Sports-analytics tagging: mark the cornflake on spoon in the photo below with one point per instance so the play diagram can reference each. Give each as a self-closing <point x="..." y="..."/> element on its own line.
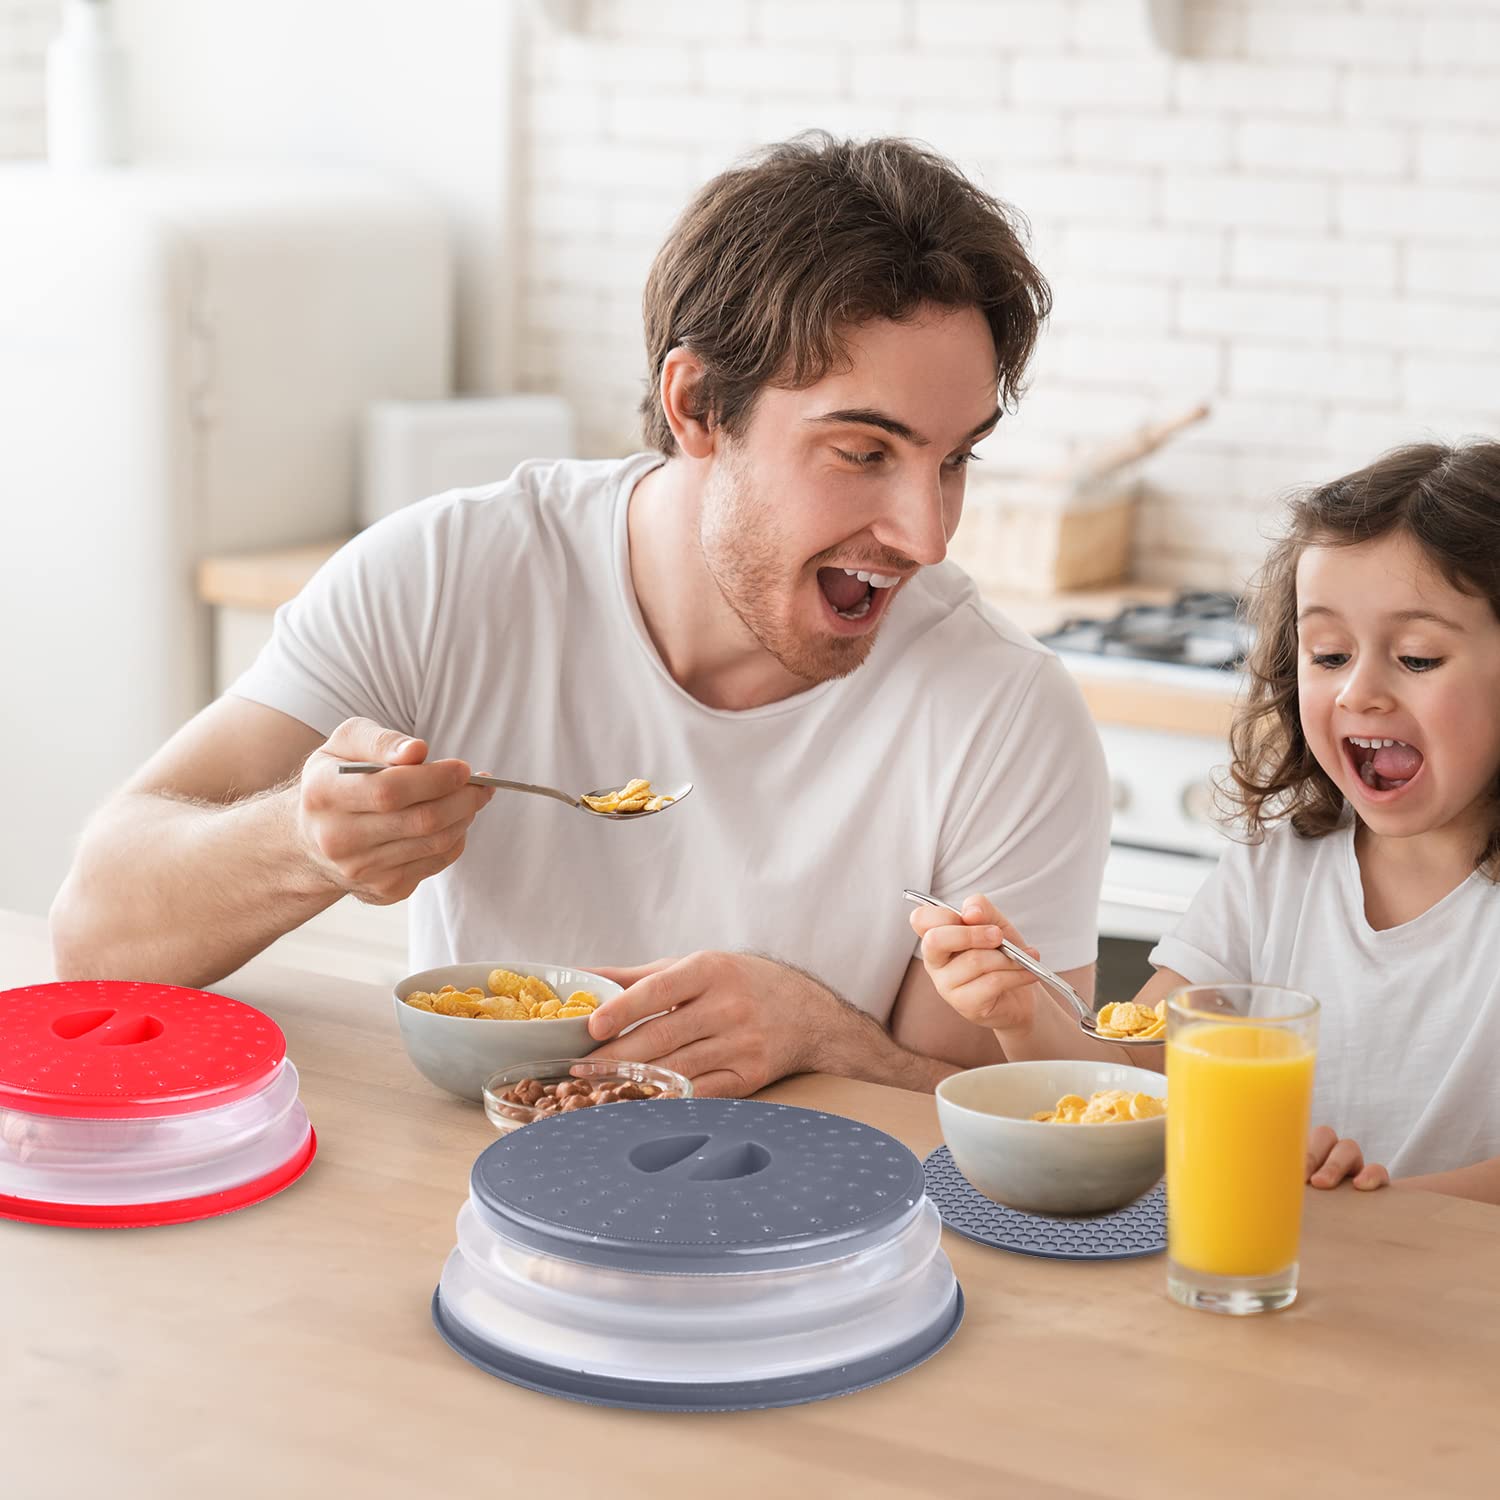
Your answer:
<point x="1129" y="1019"/>
<point x="634" y="796"/>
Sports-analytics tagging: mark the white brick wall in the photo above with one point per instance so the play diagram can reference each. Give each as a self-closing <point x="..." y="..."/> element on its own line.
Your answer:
<point x="1298" y="218"/>
<point x="26" y="26"/>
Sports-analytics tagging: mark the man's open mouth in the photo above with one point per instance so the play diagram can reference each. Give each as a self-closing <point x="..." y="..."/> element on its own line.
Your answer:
<point x="852" y="593"/>
<point x="1383" y="765"/>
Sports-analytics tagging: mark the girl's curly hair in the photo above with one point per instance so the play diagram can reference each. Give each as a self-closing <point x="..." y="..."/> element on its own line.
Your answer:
<point x="1448" y="500"/>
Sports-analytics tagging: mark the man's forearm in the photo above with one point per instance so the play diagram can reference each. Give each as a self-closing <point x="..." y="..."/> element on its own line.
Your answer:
<point x="855" y="1045"/>
<point x="183" y="892"/>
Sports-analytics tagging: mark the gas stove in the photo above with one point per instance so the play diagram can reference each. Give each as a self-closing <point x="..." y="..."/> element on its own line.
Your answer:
<point x="1192" y="641"/>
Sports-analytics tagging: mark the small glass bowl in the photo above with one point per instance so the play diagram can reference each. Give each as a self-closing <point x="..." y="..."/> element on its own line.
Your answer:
<point x="506" y="1116"/>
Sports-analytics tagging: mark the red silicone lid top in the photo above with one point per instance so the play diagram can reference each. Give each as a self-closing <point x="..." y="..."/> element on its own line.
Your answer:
<point x="113" y="1049"/>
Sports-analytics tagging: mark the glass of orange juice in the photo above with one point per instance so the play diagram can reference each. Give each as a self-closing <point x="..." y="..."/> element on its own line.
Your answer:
<point x="1239" y="1084"/>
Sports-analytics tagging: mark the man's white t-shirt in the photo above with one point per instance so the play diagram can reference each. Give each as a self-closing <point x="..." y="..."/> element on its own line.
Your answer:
<point x="1409" y="1027"/>
<point x="500" y="625"/>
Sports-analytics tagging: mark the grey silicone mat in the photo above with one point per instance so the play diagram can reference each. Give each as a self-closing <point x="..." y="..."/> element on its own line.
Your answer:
<point x="1140" y="1229"/>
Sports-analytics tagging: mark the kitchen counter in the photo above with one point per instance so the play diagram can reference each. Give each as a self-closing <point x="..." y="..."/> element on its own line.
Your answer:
<point x="287" y="1350"/>
<point x="260" y="582"/>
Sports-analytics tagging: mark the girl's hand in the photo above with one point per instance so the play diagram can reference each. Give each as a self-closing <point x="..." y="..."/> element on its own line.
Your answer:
<point x="1330" y="1160"/>
<point x="969" y="971"/>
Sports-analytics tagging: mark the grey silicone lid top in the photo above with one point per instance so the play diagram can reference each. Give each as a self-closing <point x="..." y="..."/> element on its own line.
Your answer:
<point x="697" y="1186"/>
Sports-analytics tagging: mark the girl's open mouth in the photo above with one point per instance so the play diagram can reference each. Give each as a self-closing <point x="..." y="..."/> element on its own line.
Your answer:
<point x="1383" y="765"/>
<point x="855" y="598"/>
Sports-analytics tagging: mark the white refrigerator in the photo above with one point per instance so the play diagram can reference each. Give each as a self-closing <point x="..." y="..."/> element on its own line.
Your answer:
<point x="185" y="359"/>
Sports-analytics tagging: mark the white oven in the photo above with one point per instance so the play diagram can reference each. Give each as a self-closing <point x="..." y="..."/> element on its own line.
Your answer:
<point x="1163" y="843"/>
<point x="1164" y="838"/>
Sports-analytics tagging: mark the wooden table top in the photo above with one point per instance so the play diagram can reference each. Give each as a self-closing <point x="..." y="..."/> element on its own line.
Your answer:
<point x="287" y="1350"/>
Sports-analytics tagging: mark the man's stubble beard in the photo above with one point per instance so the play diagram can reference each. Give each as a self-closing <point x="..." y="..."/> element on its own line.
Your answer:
<point x="735" y="536"/>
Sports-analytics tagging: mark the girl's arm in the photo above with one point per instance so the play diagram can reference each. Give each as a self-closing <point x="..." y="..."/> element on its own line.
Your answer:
<point x="1481" y="1181"/>
<point x="961" y="961"/>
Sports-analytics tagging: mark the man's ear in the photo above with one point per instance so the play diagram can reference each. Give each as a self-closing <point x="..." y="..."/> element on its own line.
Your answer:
<point x="681" y="382"/>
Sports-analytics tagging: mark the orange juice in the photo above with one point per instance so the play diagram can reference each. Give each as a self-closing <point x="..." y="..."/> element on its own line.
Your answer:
<point x="1239" y="1099"/>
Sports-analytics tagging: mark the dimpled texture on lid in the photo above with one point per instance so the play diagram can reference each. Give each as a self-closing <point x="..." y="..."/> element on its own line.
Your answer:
<point x="113" y="1049"/>
<point x="697" y="1185"/>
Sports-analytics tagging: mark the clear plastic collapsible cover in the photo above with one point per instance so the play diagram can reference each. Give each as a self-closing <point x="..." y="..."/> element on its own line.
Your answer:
<point x="125" y="1104"/>
<point x="702" y="1254"/>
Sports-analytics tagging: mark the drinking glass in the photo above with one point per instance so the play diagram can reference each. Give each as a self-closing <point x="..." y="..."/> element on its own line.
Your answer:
<point x="1240" y="1063"/>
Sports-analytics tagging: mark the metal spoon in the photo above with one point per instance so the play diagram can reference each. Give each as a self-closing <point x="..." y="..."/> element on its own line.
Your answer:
<point x="1053" y="981"/>
<point x="676" y="793"/>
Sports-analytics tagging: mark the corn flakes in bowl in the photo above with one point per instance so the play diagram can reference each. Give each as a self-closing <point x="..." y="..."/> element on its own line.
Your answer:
<point x="463" y="1023"/>
<point x="1112" y="1153"/>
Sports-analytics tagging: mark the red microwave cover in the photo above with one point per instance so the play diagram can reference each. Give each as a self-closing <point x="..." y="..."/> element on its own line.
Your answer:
<point x="118" y="1049"/>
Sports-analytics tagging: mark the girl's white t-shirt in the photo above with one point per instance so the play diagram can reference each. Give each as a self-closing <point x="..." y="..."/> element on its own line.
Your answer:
<point x="500" y="625"/>
<point x="1409" y="1030"/>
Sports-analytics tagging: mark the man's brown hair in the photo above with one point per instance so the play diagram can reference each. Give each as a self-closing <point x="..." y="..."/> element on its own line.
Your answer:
<point x="775" y="260"/>
<point x="1448" y="501"/>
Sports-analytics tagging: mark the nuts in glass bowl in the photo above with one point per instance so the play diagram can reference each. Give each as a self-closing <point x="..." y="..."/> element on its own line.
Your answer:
<point x="539" y="1090"/>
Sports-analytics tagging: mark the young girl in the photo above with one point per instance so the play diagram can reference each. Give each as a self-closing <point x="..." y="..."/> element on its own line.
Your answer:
<point x="1366" y="772"/>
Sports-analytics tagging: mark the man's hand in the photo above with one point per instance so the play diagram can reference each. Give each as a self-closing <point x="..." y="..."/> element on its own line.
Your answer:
<point x="732" y="1022"/>
<point x="1330" y="1160"/>
<point x="378" y="837"/>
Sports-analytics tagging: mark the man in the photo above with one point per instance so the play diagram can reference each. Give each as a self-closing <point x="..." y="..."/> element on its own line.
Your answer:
<point x="759" y="605"/>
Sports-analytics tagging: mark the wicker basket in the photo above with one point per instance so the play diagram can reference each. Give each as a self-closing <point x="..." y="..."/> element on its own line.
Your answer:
<point x="1070" y="529"/>
<point x="1036" y="537"/>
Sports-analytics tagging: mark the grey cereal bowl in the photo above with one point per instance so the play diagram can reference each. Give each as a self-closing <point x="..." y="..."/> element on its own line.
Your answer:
<point x="1042" y="1168"/>
<point x="458" y="1053"/>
